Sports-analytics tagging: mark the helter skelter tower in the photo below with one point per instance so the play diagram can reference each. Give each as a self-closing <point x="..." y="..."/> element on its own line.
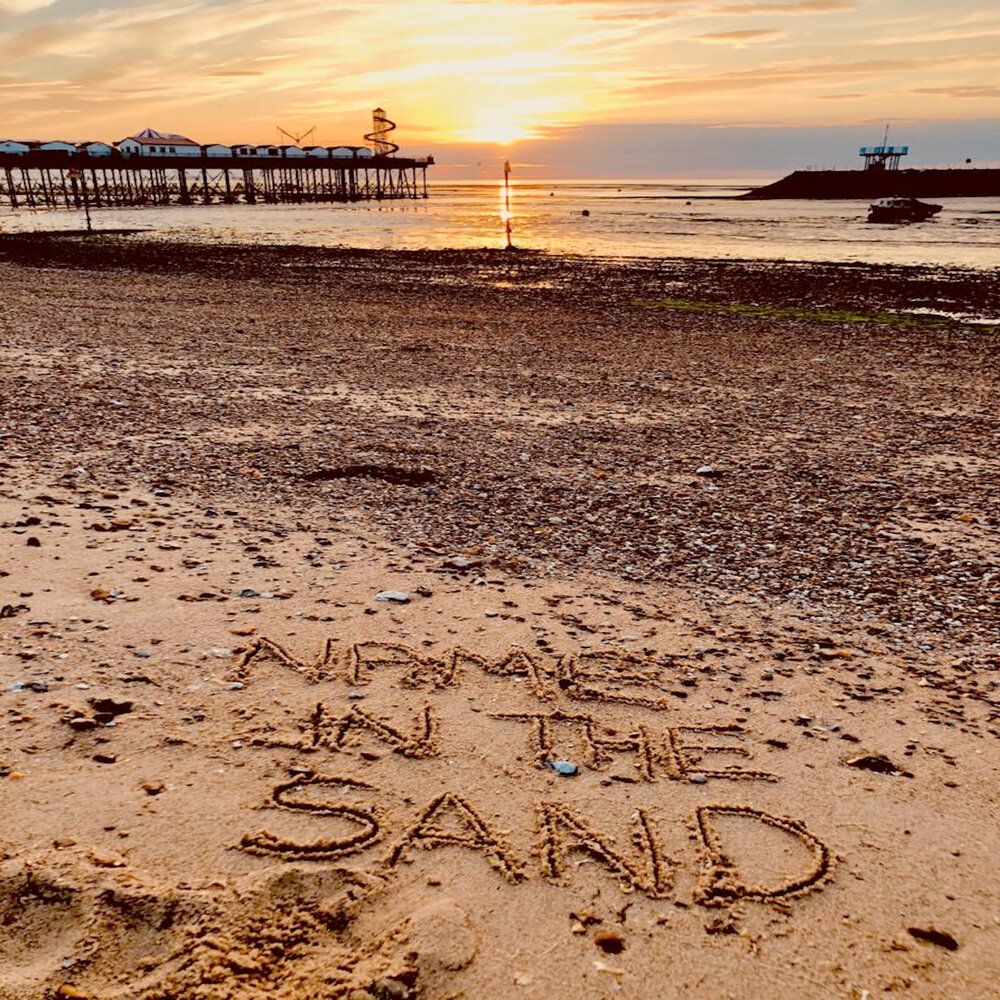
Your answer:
<point x="378" y="137"/>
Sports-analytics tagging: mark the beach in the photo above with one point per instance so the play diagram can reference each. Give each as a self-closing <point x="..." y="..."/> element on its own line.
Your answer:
<point x="480" y="624"/>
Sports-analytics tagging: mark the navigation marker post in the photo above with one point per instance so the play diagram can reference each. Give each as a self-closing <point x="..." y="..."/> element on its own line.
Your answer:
<point x="506" y="202"/>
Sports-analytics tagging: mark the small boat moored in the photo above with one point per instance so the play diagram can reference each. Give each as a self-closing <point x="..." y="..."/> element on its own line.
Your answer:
<point x="901" y="210"/>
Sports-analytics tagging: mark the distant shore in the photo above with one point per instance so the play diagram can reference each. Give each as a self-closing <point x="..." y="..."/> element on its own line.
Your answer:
<point x="968" y="182"/>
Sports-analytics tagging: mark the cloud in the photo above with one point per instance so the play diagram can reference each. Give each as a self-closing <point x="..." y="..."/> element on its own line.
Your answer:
<point x="635" y="15"/>
<point x="942" y="35"/>
<point x="971" y="91"/>
<point x="781" y="75"/>
<point x="747" y="36"/>
<point x="799" y="7"/>
<point x="23" y="6"/>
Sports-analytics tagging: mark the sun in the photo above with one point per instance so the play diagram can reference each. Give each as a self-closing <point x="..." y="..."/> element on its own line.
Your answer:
<point x="502" y="133"/>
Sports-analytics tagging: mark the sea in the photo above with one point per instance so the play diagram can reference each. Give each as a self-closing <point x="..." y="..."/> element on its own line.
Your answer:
<point x="609" y="218"/>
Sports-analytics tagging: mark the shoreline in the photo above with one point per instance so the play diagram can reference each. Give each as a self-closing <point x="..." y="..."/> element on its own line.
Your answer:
<point x="782" y="283"/>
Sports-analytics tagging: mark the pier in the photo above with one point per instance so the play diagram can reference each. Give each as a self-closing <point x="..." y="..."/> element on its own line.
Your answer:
<point x="45" y="179"/>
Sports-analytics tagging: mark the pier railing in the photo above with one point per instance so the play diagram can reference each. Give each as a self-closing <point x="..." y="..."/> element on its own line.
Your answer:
<point x="48" y="179"/>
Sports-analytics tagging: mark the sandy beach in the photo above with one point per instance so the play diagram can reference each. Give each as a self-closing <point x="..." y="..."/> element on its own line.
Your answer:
<point x="440" y="625"/>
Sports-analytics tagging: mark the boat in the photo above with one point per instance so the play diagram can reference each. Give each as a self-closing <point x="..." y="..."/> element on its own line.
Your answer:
<point x="901" y="210"/>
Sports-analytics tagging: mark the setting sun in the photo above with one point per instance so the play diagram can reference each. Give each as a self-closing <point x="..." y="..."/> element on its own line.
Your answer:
<point x="501" y="133"/>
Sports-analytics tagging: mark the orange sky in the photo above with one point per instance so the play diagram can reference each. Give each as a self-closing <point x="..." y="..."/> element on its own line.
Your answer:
<point x="456" y="71"/>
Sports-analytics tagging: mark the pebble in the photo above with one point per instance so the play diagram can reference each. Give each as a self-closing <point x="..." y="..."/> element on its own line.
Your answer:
<point x="109" y="706"/>
<point x="876" y="762"/>
<point x="461" y="563"/>
<point x="394" y="596"/>
<point x="390" y="989"/>
<point x="697" y="778"/>
<point x="610" y="942"/>
<point x="564" y="767"/>
<point x="932" y="936"/>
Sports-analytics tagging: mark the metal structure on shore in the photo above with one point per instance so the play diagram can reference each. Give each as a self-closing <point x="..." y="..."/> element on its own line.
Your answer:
<point x="378" y="138"/>
<point x="158" y="168"/>
<point x="51" y="180"/>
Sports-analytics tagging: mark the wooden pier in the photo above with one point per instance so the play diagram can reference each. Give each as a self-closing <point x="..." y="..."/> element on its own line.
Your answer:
<point x="44" y="180"/>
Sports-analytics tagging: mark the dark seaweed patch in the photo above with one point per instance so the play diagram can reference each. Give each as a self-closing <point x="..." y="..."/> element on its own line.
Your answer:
<point x="386" y="473"/>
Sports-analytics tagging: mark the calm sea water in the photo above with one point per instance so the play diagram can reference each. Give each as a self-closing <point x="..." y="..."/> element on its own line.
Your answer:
<point x="627" y="219"/>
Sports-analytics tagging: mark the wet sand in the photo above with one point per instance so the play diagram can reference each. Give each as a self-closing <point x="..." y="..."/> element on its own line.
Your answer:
<point x="720" y="540"/>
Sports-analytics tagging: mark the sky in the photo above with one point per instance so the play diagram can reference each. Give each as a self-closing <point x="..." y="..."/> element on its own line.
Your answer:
<point x="564" y="88"/>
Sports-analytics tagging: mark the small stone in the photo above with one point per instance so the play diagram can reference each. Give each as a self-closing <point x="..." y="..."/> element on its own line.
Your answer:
<point x="108" y="860"/>
<point x="610" y="942"/>
<point x="109" y="706"/>
<point x="69" y="991"/>
<point x="707" y="470"/>
<point x="931" y="936"/>
<point x="247" y="592"/>
<point x="390" y="989"/>
<point x="876" y="762"/>
<point x="154" y="787"/>
<point x="394" y="596"/>
<point x="697" y="778"/>
<point x="105" y="758"/>
<point x="461" y="563"/>
<point x="33" y="542"/>
<point x="222" y="652"/>
<point x="565" y="768"/>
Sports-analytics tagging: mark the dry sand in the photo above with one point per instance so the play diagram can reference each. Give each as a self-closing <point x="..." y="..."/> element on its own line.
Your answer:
<point x="230" y="773"/>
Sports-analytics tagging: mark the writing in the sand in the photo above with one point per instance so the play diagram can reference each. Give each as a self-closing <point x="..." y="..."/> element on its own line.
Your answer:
<point x="672" y="752"/>
<point x="366" y="821"/>
<point x="450" y="819"/>
<point x="613" y="676"/>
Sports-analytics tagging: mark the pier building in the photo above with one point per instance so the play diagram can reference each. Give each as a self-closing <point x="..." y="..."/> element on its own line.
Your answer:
<point x="163" y="168"/>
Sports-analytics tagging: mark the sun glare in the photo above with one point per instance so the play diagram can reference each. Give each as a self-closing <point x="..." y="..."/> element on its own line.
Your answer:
<point x="499" y="132"/>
